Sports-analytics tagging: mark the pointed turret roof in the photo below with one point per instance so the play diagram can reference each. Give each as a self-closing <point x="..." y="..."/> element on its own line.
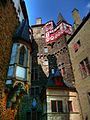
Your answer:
<point x="60" y="18"/>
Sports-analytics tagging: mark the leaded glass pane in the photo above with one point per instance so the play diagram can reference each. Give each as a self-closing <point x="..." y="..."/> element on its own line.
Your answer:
<point x="13" y="54"/>
<point x="20" y="72"/>
<point x="8" y="82"/>
<point x="10" y="71"/>
<point x="21" y="56"/>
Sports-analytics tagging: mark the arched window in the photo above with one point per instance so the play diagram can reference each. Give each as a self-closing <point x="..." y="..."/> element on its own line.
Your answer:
<point x="22" y="56"/>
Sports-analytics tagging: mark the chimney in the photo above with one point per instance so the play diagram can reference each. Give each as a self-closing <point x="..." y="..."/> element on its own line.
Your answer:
<point x="39" y="21"/>
<point x="76" y="17"/>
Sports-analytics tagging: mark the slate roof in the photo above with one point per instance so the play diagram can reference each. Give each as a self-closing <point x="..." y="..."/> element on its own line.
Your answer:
<point x="22" y="31"/>
<point x="57" y="73"/>
<point x="60" y="18"/>
<point x="51" y="81"/>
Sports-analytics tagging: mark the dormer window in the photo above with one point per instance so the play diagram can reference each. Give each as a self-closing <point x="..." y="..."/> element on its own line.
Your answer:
<point x="58" y="80"/>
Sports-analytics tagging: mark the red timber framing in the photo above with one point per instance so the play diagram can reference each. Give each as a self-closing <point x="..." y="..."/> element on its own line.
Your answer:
<point x="52" y="34"/>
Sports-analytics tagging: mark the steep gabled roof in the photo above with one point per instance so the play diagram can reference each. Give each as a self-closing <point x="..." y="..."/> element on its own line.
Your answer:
<point x="22" y="31"/>
<point x="51" y="81"/>
<point x="60" y="18"/>
<point x="57" y="73"/>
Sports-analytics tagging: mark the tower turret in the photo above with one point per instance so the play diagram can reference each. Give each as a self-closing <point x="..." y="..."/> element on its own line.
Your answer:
<point x="60" y="18"/>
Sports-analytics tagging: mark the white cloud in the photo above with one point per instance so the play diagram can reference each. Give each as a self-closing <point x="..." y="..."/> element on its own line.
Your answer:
<point x="88" y="5"/>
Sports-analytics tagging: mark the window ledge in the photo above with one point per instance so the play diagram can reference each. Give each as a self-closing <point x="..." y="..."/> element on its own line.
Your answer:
<point x="63" y="113"/>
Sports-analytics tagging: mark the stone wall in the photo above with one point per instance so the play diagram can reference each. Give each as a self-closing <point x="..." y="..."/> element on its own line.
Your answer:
<point x="8" y="25"/>
<point x="82" y="84"/>
<point x="55" y="55"/>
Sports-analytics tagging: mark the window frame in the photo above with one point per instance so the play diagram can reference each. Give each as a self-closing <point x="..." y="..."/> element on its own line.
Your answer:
<point x="61" y="106"/>
<point x="70" y="105"/>
<point x="56" y="105"/>
<point x="45" y="50"/>
<point x="52" y="106"/>
<point x="52" y="70"/>
<point x="24" y="56"/>
<point x="45" y="62"/>
<point x="42" y="36"/>
<point x="59" y="79"/>
<point x="75" y="47"/>
<point x="84" y="69"/>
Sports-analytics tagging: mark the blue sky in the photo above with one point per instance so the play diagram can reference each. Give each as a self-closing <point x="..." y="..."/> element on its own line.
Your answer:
<point x="49" y="9"/>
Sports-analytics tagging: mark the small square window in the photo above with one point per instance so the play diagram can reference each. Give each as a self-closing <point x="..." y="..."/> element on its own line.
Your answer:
<point x="42" y="36"/>
<point x="46" y="62"/>
<point x="45" y="50"/>
<point x="75" y="47"/>
<point x="59" y="80"/>
<point x="78" y="42"/>
<point x="52" y="71"/>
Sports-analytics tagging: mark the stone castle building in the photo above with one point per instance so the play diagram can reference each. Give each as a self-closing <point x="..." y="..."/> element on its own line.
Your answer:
<point x="79" y="47"/>
<point x="39" y="77"/>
